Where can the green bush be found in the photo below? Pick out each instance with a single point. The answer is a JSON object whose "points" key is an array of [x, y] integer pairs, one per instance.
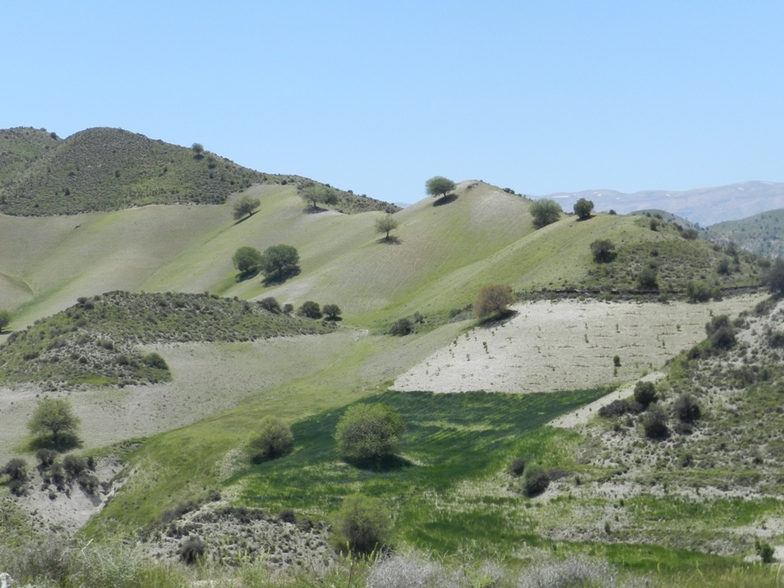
{"points": [[644, 393], [535, 481], [654, 423], [517, 467], [192, 550], [155, 361], [247, 259], [272, 439], [46, 456], [603, 250], [16, 469], [269, 304], [647, 279], [686, 408], [5, 319], [310, 309], [332, 311], [368, 432], [74, 466], [545, 212], [583, 208], [493, 300], [363, 523], [698, 291], [401, 327]]}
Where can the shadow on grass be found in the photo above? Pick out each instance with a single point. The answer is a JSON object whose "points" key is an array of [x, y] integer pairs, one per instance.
{"points": [[242, 276], [314, 209], [244, 218], [445, 200], [386, 463], [279, 278], [63, 443], [391, 240], [496, 319], [333, 319]]}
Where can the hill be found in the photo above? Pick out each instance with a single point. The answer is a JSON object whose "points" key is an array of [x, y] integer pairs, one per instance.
{"points": [[103, 169], [705, 206], [762, 234]]}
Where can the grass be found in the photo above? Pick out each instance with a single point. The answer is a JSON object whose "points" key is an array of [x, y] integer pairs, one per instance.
{"points": [[95, 342]]}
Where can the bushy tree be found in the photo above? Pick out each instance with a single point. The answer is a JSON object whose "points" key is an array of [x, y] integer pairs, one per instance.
{"points": [[401, 327], [545, 212], [654, 423], [583, 208], [279, 261], [603, 250], [316, 194], [272, 439], [493, 300], [647, 279], [686, 408], [774, 279], [439, 186], [16, 469], [5, 319], [245, 206], [386, 224], [363, 522], [331, 311], [269, 303], [721, 332], [310, 309], [198, 150], [645, 393], [55, 417], [247, 259], [698, 291], [368, 432]]}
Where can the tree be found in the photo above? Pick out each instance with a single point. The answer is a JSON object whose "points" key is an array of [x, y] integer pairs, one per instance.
{"points": [[386, 224], [603, 250], [583, 208], [645, 393], [493, 300], [316, 194], [363, 522], [269, 303], [646, 279], [53, 416], [198, 150], [401, 327], [5, 319], [245, 205], [545, 212], [247, 259], [310, 309], [368, 432], [272, 439], [279, 260], [332, 311], [654, 423], [774, 279], [439, 186], [686, 408]]}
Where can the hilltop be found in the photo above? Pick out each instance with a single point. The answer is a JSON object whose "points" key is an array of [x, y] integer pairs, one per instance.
{"points": [[762, 234], [103, 169]]}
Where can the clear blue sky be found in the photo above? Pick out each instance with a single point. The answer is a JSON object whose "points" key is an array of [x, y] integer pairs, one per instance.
{"points": [[379, 96]]}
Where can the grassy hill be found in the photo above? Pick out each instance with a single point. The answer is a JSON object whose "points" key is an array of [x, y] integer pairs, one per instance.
{"points": [[103, 169], [761, 234]]}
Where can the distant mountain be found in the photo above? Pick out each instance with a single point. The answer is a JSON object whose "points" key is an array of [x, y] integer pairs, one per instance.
{"points": [[705, 206], [762, 233]]}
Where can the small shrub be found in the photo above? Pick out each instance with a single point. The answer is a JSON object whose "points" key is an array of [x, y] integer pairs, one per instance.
{"points": [[192, 550], [686, 409], [401, 327], [690, 234], [269, 304], [287, 516], [46, 456], [535, 481], [619, 408], [310, 309], [288, 308], [765, 551], [368, 432], [617, 361], [647, 279], [698, 291], [16, 469], [723, 338], [644, 393], [517, 467], [654, 423], [776, 339], [272, 439], [88, 482], [363, 522], [155, 361], [493, 300], [74, 465], [5, 319]]}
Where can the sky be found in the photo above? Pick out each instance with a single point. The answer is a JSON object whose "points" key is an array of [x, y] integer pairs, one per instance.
{"points": [[377, 97]]}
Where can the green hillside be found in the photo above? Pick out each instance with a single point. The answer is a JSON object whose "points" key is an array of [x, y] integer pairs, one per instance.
{"points": [[104, 169], [762, 234]]}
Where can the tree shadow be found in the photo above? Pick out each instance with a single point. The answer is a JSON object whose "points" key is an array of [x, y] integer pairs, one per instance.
{"points": [[392, 240], [314, 209], [63, 443], [244, 218], [279, 278], [333, 319], [445, 200], [495, 320], [385, 463], [580, 219], [243, 276]]}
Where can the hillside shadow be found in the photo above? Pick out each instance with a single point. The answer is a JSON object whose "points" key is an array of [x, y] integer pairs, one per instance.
{"points": [[243, 276], [445, 200], [387, 463], [391, 241], [277, 279]]}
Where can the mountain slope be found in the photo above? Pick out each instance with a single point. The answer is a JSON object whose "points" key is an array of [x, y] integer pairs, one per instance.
{"points": [[20, 147], [762, 234]]}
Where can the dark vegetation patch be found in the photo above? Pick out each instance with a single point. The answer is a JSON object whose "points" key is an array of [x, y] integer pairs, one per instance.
{"points": [[96, 341], [104, 169]]}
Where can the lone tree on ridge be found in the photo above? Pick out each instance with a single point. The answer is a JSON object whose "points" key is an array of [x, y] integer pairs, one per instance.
{"points": [[545, 212], [316, 194], [493, 300], [583, 208], [245, 205], [386, 224], [439, 186]]}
